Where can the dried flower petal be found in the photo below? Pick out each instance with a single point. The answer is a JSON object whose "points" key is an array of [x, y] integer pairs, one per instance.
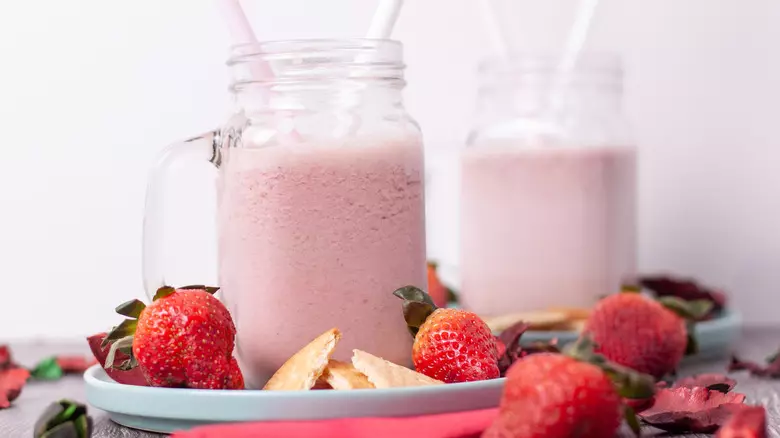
{"points": [[510, 338], [540, 347], [680, 410], [6, 359], [5, 356], [130, 377], [509, 342], [74, 364], [770, 370], [685, 289], [748, 422], [500, 347], [711, 381], [12, 380]]}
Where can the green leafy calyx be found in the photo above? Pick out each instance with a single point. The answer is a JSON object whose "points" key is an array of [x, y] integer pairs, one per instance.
{"points": [[417, 307], [63, 419], [629, 383]]}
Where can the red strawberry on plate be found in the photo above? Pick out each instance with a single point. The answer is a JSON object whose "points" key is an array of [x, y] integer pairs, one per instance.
{"points": [[641, 333], [184, 338], [450, 345]]}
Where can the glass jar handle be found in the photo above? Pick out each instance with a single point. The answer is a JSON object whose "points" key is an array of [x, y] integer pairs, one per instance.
{"points": [[205, 147]]}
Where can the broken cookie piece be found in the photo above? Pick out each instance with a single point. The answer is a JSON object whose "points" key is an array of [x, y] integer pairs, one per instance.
{"points": [[385, 374], [302, 370]]}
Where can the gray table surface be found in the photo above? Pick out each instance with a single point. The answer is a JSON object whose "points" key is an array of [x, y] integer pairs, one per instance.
{"points": [[18, 420]]}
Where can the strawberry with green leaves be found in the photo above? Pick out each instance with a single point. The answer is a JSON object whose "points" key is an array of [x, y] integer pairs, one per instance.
{"points": [[578, 393], [450, 345], [184, 338], [648, 335]]}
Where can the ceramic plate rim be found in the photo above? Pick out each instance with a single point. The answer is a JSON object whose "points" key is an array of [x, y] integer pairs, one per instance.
{"points": [[90, 377], [727, 319], [97, 380]]}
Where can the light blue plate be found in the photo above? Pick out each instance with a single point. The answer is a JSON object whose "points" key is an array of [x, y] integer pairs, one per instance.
{"points": [[169, 409], [716, 337]]}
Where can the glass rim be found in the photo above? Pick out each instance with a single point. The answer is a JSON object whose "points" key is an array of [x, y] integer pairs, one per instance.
{"points": [[250, 51], [544, 62]]}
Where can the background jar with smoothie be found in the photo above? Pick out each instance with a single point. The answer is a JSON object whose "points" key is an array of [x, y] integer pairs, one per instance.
{"points": [[548, 187]]}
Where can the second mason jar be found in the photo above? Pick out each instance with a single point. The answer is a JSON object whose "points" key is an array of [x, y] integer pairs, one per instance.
{"points": [[548, 187]]}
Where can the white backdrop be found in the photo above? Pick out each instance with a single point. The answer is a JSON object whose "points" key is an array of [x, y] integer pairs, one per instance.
{"points": [[91, 90]]}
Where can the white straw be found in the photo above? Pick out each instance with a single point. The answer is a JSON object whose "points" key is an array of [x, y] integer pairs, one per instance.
{"points": [[381, 28], [238, 25], [495, 31], [384, 19], [382, 24], [241, 32], [571, 53]]}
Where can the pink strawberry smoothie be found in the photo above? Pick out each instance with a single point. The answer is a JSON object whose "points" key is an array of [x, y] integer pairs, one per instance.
{"points": [[313, 237], [545, 226]]}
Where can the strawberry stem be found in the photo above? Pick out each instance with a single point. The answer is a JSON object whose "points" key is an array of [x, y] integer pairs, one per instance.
{"points": [[163, 292], [131, 309], [417, 307], [630, 289], [691, 310], [210, 289], [629, 383], [631, 419], [126, 328]]}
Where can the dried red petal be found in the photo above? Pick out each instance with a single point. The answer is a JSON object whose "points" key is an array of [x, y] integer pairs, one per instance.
{"points": [[12, 380], [5, 356], [131, 377], [513, 351], [712, 381], [748, 422], [511, 336], [511, 340], [74, 364], [540, 347], [685, 289], [681, 410], [770, 370], [6, 359], [500, 347]]}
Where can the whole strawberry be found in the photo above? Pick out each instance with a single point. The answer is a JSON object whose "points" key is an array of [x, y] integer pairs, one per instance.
{"points": [[184, 338], [450, 345], [638, 332], [550, 395]]}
